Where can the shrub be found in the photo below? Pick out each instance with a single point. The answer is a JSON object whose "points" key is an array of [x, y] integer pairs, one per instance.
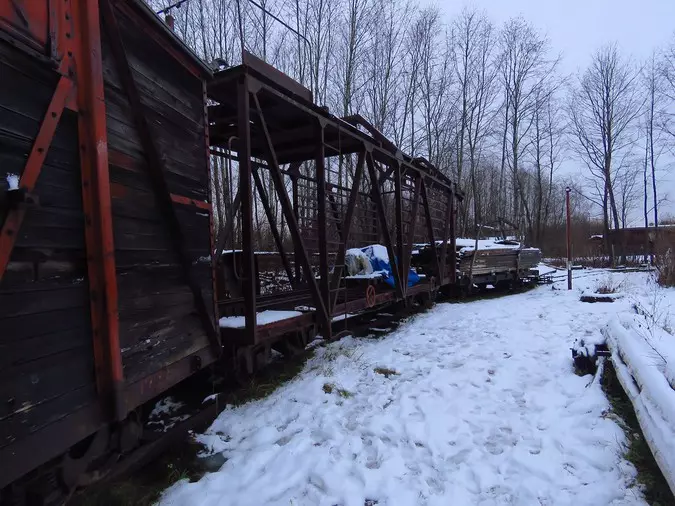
{"points": [[665, 268]]}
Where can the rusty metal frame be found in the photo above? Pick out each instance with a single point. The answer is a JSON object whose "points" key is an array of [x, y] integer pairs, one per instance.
{"points": [[430, 228], [398, 201], [444, 247], [33, 167], [413, 225], [246, 195], [273, 139], [323, 238], [346, 227], [377, 198], [273, 225], [453, 242], [97, 207], [277, 178], [155, 169]]}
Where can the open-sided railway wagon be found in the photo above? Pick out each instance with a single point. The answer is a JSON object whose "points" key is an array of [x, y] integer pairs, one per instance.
{"points": [[325, 185], [115, 282]]}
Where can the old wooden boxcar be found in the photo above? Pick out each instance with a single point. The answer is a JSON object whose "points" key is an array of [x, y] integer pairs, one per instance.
{"points": [[103, 206]]}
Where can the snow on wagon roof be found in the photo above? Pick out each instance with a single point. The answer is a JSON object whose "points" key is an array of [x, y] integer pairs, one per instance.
{"points": [[470, 244]]}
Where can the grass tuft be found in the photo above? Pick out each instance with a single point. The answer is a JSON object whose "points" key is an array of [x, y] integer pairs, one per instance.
{"points": [[608, 285], [654, 485], [386, 372], [329, 388]]}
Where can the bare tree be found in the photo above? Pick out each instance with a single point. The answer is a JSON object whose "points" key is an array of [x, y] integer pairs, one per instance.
{"points": [[546, 148], [667, 67], [476, 73], [603, 107], [384, 57], [350, 53], [654, 112], [525, 68]]}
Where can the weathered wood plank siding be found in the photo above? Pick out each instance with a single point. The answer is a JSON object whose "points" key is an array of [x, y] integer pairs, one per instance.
{"points": [[46, 358], [158, 321]]}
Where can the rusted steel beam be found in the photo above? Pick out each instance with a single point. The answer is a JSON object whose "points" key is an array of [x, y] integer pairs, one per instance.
{"points": [[273, 225], [377, 197], [398, 201], [211, 180], [453, 242], [229, 229], [246, 196], [446, 230], [97, 208], [187, 201], [335, 211], [156, 171], [411, 231], [286, 206], [323, 238], [296, 213], [346, 227], [380, 154], [33, 167], [430, 228]]}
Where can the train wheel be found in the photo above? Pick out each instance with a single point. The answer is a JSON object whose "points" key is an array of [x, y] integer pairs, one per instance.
{"points": [[291, 345], [76, 462], [370, 296]]}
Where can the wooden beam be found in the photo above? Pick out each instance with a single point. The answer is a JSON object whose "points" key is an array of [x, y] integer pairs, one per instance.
{"points": [[156, 170]]}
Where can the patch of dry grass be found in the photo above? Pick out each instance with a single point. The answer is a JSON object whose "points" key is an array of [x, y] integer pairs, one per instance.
{"points": [[386, 372]]}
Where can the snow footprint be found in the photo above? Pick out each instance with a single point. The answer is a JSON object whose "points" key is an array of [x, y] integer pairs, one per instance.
{"points": [[499, 440]]}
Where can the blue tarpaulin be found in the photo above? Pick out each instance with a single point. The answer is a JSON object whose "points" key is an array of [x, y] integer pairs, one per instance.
{"points": [[379, 259]]}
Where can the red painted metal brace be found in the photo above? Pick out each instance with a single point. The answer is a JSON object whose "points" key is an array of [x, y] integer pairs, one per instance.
{"points": [[31, 171]]}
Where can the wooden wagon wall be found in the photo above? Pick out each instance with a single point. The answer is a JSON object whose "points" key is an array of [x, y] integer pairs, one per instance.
{"points": [[46, 357], [158, 321]]}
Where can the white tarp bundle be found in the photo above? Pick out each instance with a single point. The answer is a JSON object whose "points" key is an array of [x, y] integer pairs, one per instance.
{"points": [[357, 262]]}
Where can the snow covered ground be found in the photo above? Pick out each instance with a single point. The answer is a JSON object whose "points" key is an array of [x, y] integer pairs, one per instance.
{"points": [[468, 404]]}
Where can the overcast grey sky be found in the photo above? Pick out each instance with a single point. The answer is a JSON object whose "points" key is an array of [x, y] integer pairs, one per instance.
{"points": [[577, 28]]}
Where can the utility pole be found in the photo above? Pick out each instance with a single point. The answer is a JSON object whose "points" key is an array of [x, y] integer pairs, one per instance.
{"points": [[569, 240]]}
